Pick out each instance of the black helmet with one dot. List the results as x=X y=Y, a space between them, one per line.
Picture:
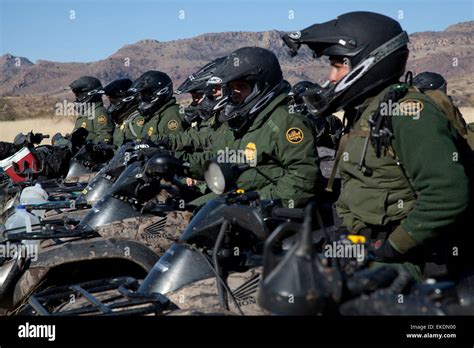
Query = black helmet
x=197 y=82
x=261 y=69
x=207 y=106
x=374 y=45
x=155 y=88
x=300 y=87
x=122 y=100
x=86 y=89
x=430 y=80
x=296 y=96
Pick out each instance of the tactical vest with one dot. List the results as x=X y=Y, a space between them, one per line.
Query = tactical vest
x=387 y=194
x=133 y=126
x=466 y=131
x=128 y=129
x=383 y=197
x=445 y=104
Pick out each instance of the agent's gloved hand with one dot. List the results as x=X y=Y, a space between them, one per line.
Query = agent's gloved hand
x=36 y=138
x=59 y=140
x=29 y=139
x=20 y=140
x=383 y=251
x=164 y=142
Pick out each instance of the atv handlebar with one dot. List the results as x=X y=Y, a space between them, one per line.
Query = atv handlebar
x=29 y=139
x=290 y=213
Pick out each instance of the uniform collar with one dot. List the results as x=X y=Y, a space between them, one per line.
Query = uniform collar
x=95 y=106
x=263 y=115
x=360 y=109
x=170 y=102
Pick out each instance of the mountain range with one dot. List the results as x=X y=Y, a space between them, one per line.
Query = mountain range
x=449 y=52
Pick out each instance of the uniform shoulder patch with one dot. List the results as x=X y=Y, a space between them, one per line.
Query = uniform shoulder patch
x=141 y=122
x=411 y=107
x=102 y=119
x=172 y=124
x=122 y=126
x=294 y=135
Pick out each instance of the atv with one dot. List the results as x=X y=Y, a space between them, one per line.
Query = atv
x=214 y=267
x=143 y=213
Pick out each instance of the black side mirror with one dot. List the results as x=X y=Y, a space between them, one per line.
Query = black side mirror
x=248 y=218
x=299 y=283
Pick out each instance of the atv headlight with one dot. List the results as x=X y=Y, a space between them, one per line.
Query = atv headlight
x=214 y=177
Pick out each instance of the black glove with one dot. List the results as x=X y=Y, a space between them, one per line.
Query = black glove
x=30 y=139
x=20 y=140
x=90 y=147
x=35 y=138
x=164 y=142
x=382 y=251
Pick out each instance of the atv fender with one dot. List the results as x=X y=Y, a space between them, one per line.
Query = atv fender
x=78 y=252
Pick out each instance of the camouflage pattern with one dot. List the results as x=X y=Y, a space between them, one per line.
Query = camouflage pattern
x=75 y=214
x=73 y=255
x=202 y=296
x=80 y=179
x=156 y=232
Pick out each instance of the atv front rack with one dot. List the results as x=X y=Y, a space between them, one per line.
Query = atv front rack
x=124 y=301
x=50 y=231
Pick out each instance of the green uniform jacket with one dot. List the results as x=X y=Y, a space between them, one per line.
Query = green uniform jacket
x=282 y=147
x=166 y=120
x=196 y=138
x=420 y=184
x=97 y=122
x=130 y=129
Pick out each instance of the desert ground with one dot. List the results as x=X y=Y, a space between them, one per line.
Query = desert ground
x=51 y=126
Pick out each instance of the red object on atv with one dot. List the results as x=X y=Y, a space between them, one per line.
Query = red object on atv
x=21 y=165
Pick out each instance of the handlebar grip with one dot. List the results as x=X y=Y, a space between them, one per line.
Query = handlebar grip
x=102 y=147
x=291 y=213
